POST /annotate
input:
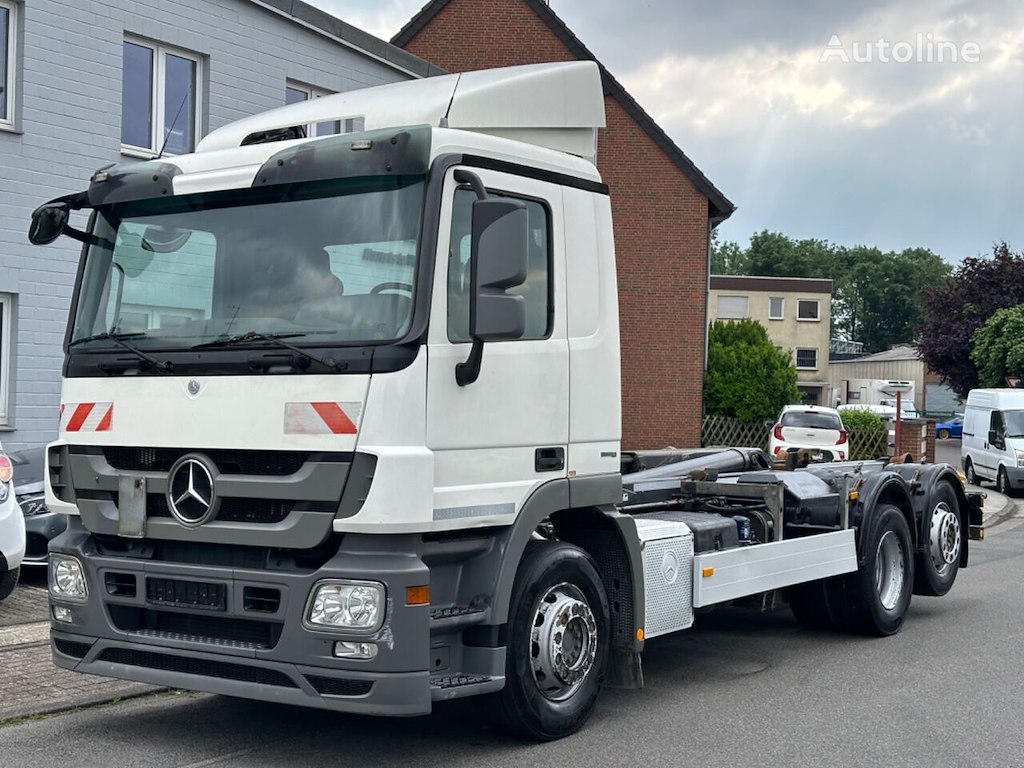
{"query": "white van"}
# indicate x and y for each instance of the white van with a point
(993, 442)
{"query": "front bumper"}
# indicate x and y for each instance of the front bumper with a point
(248, 647)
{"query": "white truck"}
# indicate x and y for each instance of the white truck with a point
(341, 427)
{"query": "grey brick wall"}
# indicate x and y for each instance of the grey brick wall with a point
(69, 124)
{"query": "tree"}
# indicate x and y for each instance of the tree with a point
(998, 348)
(748, 377)
(955, 311)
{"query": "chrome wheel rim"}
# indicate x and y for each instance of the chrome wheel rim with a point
(945, 538)
(889, 573)
(563, 642)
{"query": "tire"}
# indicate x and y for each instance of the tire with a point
(809, 606)
(1003, 483)
(936, 567)
(8, 581)
(943, 434)
(557, 588)
(972, 476)
(874, 599)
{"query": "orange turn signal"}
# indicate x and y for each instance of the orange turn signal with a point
(417, 595)
(706, 572)
(640, 633)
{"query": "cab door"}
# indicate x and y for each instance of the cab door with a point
(500, 437)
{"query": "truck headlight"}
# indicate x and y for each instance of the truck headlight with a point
(1020, 458)
(342, 604)
(67, 578)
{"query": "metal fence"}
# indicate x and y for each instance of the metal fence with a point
(865, 443)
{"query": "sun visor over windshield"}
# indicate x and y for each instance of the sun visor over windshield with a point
(402, 152)
(137, 181)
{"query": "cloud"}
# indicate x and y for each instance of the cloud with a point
(849, 78)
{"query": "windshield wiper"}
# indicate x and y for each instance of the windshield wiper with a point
(163, 366)
(274, 338)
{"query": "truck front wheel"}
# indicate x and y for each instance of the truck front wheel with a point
(558, 643)
(935, 569)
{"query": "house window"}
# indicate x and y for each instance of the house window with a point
(807, 359)
(775, 307)
(8, 19)
(160, 99)
(536, 290)
(296, 92)
(807, 309)
(6, 303)
(732, 307)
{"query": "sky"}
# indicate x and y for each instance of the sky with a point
(889, 123)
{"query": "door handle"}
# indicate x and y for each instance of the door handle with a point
(548, 459)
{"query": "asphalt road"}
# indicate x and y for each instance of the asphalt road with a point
(740, 689)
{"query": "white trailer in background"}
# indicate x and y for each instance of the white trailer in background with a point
(341, 427)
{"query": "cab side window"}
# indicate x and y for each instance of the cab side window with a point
(997, 425)
(537, 288)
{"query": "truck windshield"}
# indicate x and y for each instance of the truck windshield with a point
(325, 263)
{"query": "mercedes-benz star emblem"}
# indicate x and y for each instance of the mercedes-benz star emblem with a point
(191, 495)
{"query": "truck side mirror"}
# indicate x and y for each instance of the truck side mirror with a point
(48, 222)
(995, 439)
(498, 253)
(498, 261)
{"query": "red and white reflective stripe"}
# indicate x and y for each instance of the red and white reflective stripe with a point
(86, 417)
(328, 418)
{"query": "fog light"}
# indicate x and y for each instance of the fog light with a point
(67, 578)
(352, 605)
(62, 613)
(345, 650)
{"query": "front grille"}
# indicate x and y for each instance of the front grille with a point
(232, 462)
(202, 628)
(71, 648)
(332, 686)
(187, 594)
(232, 509)
(202, 667)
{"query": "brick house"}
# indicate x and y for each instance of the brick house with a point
(662, 205)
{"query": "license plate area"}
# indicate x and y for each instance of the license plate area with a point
(201, 595)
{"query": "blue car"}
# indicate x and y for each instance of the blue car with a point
(951, 428)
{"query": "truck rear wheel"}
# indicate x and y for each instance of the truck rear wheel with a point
(558, 643)
(874, 599)
(935, 569)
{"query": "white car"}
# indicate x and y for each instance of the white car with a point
(811, 427)
(12, 529)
